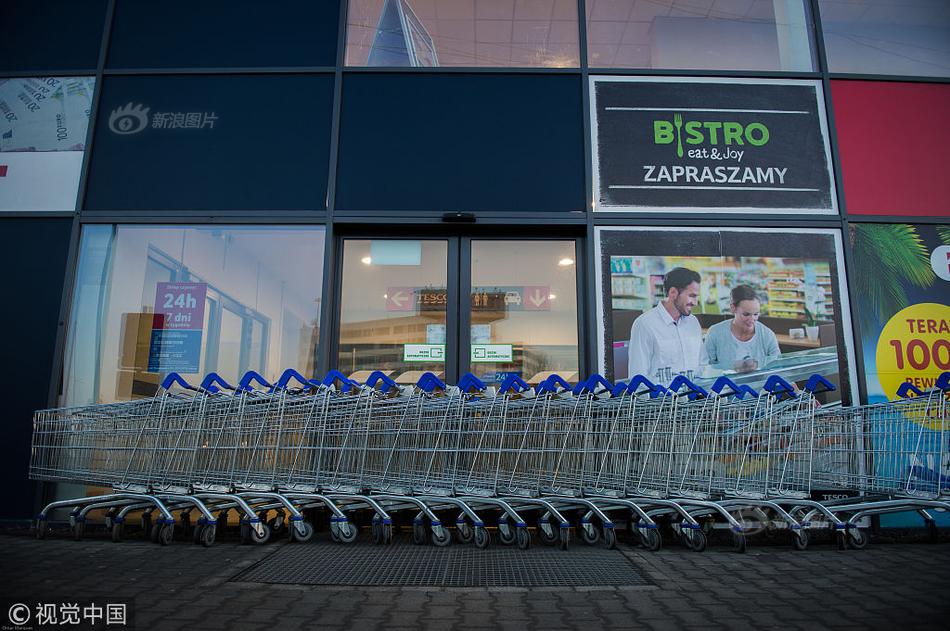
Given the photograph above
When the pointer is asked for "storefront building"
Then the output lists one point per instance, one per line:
(486, 186)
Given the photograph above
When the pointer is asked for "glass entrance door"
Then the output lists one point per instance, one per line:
(452, 305)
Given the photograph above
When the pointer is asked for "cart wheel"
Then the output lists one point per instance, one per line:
(739, 542)
(165, 534)
(482, 538)
(108, 519)
(196, 533)
(41, 529)
(651, 539)
(506, 533)
(589, 534)
(387, 530)
(420, 535)
(800, 539)
(208, 532)
(464, 532)
(610, 538)
(78, 528)
(694, 539)
(441, 537)
(117, 528)
(276, 524)
(841, 537)
(262, 538)
(376, 530)
(565, 537)
(547, 533)
(186, 525)
(347, 532)
(523, 538)
(303, 534)
(146, 522)
(858, 540)
(244, 533)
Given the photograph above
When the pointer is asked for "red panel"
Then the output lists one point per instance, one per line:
(894, 142)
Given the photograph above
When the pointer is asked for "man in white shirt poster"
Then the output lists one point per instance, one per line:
(666, 340)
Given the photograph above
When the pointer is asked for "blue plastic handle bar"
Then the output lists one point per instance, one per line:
(289, 375)
(619, 388)
(172, 378)
(250, 377)
(551, 384)
(659, 390)
(745, 389)
(906, 388)
(335, 376)
(211, 382)
(681, 381)
(817, 383)
(591, 384)
(943, 381)
(470, 382)
(778, 387)
(385, 383)
(429, 382)
(725, 382)
(639, 380)
(513, 383)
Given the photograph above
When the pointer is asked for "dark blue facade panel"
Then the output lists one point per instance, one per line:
(461, 143)
(38, 249)
(224, 33)
(50, 34)
(236, 142)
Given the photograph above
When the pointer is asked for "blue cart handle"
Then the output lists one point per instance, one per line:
(591, 384)
(335, 377)
(817, 383)
(639, 381)
(778, 387)
(681, 381)
(513, 383)
(725, 382)
(659, 390)
(906, 388)
(943, 381)
(250, 377)
(429, 382)
(385, 383)
(172, 378)
(746, 389)
(211, 382)
(551, 384)
(287, 376)
(471, 383)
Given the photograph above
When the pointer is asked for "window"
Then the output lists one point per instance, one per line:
(887, 37)
(493, 33)
(700, 34)
(51, 35)
(156, 299)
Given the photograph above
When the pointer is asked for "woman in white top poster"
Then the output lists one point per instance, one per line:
(742, 343)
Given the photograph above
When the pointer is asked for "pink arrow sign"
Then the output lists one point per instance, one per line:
(536, 298)
(400, 299)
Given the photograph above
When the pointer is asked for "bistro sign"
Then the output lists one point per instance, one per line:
(719, 145)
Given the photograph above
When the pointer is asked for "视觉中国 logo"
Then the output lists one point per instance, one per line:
(128, 119)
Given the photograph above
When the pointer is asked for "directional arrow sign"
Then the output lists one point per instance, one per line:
(400, 298)
(537, 298)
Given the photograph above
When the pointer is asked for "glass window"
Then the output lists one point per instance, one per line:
(524, 310)
(496, 33)
(700, 34)
(43, 125)
(155, 299)
(212, 142)
(461, 142)
(223, 34)
(393, 308)
(887, 37)
(51, 35)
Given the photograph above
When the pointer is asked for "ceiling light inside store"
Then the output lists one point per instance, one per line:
(566, 261)
(367, 260)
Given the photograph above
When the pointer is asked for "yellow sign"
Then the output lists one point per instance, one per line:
(914, 347)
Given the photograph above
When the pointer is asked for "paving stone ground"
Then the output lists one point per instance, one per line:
(185, 586)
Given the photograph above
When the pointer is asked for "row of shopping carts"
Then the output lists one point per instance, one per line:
(470, 460)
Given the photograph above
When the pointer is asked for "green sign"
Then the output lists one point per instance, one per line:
(423, 352)
(487, 353)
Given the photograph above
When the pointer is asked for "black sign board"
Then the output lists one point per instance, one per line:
(710, 145)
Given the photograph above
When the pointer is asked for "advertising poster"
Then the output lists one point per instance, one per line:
(43, 123)
(727, 145)
(750, 303)
(902, 286)
(177, 327)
